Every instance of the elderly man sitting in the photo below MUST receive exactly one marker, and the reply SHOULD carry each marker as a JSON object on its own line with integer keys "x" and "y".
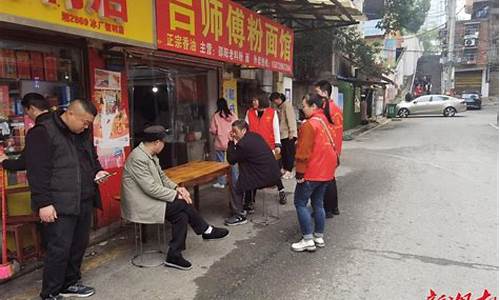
{"x": 150, "y": 197}
{"x": 257, "y": 165}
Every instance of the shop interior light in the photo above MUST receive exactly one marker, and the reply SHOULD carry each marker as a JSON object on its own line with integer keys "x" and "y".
{"x": 155, "y": 89}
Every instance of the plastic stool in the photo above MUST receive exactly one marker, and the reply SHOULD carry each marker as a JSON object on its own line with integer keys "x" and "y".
{"x": 268, "y": 194}
{"x": 138, "y": 259}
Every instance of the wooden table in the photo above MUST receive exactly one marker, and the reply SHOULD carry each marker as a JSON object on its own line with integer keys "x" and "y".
{"x": 197, "y": 172}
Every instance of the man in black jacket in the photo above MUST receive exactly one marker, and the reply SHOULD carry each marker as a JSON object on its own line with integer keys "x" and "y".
{"x": 63, "y": 173}
{"x": 37, "y": 109}
{"x": 257, "y": 166}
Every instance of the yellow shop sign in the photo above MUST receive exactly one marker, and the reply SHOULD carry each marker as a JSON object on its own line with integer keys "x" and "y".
{"x": 125, "y": 21}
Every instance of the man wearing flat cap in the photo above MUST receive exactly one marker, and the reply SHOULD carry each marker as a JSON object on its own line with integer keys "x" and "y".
{"x": 148, "y": 196}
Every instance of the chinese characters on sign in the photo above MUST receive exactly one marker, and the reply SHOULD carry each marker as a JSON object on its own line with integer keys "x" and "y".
{"x": 128, "y": 22}
{"x": 223, "y": 30}
{"x": 468, "y": 296}
{"x": 105, "y": 15}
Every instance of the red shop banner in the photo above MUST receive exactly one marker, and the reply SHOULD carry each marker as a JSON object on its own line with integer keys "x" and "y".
{"x": 226, "y": 31}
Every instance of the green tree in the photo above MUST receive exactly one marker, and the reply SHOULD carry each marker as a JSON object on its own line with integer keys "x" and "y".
{"x": 349, "y": 42}
{"x": 430, "y": 41}
{"x": 313, "y": 52}
{"x": 406, "y": 15}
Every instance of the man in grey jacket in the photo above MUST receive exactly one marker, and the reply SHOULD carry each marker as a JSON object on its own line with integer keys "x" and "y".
{"x": 148, "y": 196}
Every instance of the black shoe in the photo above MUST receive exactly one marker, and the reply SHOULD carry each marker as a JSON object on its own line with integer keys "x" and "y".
{"x": 328, "y": 215}
{"x": 336, "y": 212}
{"x": 282, "y": 197}
{"x": 77, "y": 290}
{"x": 249, "y": 208}
{"x": 56, "y": 297}
{"x": 178, "y": 262}
{"x": 216, "y": 234}
{"x": 235, "y": 220}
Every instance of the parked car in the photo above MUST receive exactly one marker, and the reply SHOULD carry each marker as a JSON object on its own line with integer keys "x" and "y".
{"x": 431, "y": 104}
{"x": 472, "y": 99}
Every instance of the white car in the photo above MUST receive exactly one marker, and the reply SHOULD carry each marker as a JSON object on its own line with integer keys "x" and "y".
{"x": 432, "y": 104}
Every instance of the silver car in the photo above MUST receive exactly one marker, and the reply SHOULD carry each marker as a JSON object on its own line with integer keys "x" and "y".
{"x": 431, "y": 104}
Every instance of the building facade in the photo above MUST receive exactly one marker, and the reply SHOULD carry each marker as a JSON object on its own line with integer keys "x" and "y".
{"x": 476, "y": 50}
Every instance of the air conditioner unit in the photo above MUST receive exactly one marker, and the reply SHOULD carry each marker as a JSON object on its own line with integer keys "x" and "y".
{"x": 471, "y": 35}
{"x": 470, "y": 42}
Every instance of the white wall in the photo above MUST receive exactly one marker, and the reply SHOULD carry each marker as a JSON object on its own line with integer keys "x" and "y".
{"x": 408, "y": 62}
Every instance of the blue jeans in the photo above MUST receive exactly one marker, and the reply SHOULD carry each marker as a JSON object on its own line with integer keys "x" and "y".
{"x": 315, "y": 190}
{"x": 220, "y": 156}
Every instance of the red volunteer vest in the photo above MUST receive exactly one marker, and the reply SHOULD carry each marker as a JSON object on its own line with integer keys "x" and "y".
{"x": 323, "y": 160}
{"x": 338, "y": 125}
{"x": 263, "y": 126}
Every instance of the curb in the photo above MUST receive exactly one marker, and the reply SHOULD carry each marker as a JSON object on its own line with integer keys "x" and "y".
{"x": 362, "y": 130}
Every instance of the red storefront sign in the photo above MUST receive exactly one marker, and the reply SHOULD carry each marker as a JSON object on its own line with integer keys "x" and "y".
{"x": 223, "y": 30}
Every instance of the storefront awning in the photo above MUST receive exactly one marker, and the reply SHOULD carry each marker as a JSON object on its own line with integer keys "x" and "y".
{"x": 306, "y": 15}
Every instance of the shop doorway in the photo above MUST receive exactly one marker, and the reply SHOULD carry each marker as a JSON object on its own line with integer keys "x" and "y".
{"x": 175, "y": 97}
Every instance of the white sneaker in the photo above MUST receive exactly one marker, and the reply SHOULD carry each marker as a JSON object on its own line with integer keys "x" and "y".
{"x": 304, "y": 245}
{"x": 319, "y": 242}
{"x": 218, "y": 186}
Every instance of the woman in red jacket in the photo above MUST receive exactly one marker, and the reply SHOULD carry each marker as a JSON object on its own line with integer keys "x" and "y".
{"x": 316, "y": 160}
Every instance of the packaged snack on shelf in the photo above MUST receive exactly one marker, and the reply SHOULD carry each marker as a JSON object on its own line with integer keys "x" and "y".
{"x": 5, "y": 104}
{"x": 37, "y": 71}
{"x": 8, "y": 61}
{"x": 23, "y": 64}
{"x": 18, "y": 133}
{"x": 50, "y": 67}
{"x": 21, "y": 177}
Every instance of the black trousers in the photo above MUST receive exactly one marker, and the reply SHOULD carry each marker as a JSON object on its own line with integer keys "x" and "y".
{"x": 180, "y": 214}
{"x": 66, "y": 240}
{"x": 288, "y": 154}
{"x": 250, "y": 195}
{"x": 330, "y": 202}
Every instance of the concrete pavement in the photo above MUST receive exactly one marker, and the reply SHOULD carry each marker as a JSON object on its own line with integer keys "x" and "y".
{"x": 419, "y": 211}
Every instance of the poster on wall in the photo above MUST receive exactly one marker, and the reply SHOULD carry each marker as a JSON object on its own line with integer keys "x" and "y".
{"x": 111, "y": 157}
{"x": 107, "y": 80}
{"x": 111, "y": 125}
{"x": 357, "y": 105}
{"x": 230, "y": 94}
{"x": 288, "y": 94}
{"x": 340, "y": 101}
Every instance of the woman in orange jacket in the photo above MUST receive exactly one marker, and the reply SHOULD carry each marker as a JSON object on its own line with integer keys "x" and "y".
{"x": 316, "y": 160}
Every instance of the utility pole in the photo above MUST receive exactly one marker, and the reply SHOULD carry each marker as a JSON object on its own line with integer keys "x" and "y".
{"x": 450, "y": 64}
